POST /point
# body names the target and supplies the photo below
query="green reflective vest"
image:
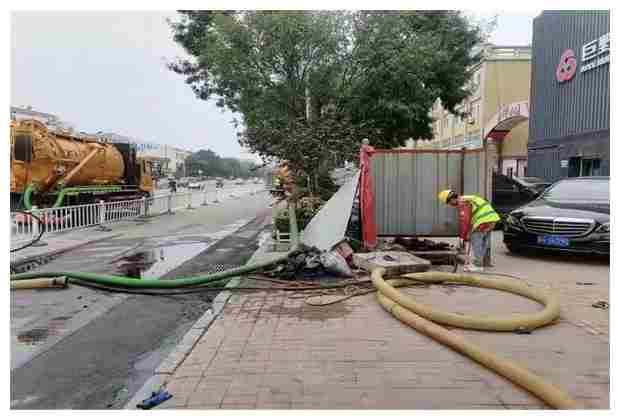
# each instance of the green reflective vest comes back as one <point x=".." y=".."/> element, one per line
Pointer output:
<point x="481" y="211"/>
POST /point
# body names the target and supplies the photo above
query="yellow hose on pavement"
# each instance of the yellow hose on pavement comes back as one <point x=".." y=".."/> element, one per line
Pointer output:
<point x="419" y="316"/>
<point x="57" y="282"/>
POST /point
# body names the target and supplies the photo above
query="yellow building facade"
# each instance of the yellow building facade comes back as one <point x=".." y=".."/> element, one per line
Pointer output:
<point x="501" y="78"/>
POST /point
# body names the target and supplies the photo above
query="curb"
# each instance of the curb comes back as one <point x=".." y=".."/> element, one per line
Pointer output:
<point x="167" y="368"/>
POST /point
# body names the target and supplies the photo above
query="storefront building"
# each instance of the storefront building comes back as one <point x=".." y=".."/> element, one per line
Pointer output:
<point x="500" y="79"/>
<point x="569" y="98"/>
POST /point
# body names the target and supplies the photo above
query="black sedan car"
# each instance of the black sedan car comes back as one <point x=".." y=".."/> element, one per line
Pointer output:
<point x="571" y="215"/>
<point x="510" y="193"/>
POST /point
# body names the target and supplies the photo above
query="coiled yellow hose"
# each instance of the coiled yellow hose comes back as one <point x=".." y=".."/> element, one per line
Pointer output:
<point x="420" y="317"/>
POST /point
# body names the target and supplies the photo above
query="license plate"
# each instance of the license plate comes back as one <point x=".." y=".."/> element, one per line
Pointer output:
<point x="553" y="241"/>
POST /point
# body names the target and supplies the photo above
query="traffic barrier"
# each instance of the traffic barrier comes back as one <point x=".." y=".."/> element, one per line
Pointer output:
<point x="24" y="228"/>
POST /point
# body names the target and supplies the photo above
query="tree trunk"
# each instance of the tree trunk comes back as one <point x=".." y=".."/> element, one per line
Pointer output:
<point x="308" y="105"/>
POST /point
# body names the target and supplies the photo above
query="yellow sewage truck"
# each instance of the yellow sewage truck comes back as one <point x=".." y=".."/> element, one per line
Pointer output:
<point x="55" y="168"/>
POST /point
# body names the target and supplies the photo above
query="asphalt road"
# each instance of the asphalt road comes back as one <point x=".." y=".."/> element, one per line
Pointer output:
<point x="88" y="349"/>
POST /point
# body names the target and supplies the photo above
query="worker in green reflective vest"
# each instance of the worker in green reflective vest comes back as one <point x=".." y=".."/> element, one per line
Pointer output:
<point x="482" y="223"/>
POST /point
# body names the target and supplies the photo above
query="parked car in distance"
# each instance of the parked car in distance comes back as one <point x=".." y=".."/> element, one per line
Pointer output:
<point x="195" y="185"/>
<point x="572" y="215"/>
<point x="510" y="193"/>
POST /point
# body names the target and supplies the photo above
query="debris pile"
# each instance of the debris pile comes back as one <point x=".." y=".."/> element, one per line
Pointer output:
<point x="310" y="263"/>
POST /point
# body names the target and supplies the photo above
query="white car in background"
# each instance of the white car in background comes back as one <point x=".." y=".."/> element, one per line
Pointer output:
<point x="195" y="185"/>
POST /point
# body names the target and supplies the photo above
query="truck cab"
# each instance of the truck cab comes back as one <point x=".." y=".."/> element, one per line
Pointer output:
<point x="145" y="176"/>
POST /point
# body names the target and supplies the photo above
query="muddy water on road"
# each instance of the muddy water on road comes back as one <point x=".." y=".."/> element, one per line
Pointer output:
<point x="153" y="261"/>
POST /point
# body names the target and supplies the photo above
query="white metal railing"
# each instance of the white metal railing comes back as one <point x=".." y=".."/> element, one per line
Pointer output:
<point x="158" y="204"/>
<point x="25" y="228"/>
<point x="121" y="210"/>
<point x="22" y="229"/>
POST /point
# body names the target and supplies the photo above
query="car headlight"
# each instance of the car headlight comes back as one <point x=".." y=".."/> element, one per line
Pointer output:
<point x="604" y="228"/>
<point x="513" y="221"/>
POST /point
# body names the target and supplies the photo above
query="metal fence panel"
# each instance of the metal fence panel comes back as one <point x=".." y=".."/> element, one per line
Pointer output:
<point x="473" y="181"/>
<point x="406" y="185"/>
<point x="427" y="219"/>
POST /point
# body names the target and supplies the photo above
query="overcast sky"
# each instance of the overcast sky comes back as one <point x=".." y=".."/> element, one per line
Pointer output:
<point x="106" y="71"/>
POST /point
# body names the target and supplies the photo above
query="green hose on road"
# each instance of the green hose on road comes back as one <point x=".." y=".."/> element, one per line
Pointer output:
<point x="130" y="282"/>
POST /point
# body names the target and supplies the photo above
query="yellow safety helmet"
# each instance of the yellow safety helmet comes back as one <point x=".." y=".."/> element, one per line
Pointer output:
<point x="445" y="195"/>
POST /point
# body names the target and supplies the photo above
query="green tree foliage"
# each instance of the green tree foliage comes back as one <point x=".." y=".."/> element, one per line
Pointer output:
<point x="209" y="163"/>
<point x="309" y="85"/>
<point x="402" y="62"/>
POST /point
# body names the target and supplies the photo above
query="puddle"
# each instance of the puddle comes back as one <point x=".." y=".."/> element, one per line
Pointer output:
<point x="159" y="260"/>
<point x="35" y="336"/>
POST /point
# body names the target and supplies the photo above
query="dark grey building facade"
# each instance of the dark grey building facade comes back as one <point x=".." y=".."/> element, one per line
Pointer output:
<point x="569" y="98"/>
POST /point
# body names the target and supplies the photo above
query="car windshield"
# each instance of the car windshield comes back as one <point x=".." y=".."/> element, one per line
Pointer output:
<point x="579" y="190"/>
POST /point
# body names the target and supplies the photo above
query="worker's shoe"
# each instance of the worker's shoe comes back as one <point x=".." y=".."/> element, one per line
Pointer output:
<point x="472" y="268"/>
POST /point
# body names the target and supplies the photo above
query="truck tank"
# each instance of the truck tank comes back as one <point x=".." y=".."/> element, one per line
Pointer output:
<point x="47" y="159"/>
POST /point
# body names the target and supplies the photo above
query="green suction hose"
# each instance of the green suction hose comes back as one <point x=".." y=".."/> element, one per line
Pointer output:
<point x="31" y="189"/>
<point x="27" y="197"/>
<point x="129" y="282"/>
<point x="60" y="198"/>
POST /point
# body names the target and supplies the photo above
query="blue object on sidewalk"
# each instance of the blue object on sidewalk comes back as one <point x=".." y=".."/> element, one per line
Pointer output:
<point x="155" y="399"/>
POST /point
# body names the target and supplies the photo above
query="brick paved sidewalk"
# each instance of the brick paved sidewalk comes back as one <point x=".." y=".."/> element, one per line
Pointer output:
<point x="270" y="351"/>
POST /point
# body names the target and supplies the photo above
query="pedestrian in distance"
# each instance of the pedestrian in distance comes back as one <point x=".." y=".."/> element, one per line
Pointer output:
<point x="482" y="222"/>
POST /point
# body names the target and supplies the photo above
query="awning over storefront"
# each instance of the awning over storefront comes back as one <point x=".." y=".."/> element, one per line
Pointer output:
<point x="506" y="119"/>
